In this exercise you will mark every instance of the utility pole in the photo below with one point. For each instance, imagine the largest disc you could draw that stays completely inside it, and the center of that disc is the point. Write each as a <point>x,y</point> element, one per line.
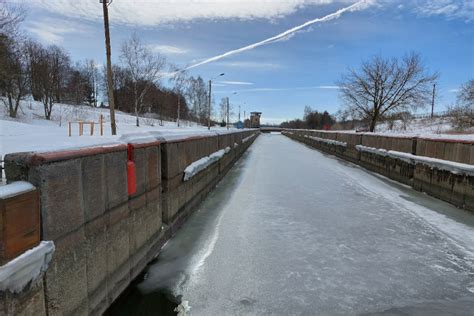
<point>433,100</point>
<point>209,108</point>
<point>179,108</point>
<point>227,113</point>
<point>239,113</point>
<point>110,87</point>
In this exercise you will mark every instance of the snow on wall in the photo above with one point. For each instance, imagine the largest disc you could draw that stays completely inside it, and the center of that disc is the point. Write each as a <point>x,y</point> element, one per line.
<point>26,268</point>
<point>15,188</point>
<point>203,163</point>
<point>246,139</point>
<point>451,166</point>
<point>327,141</point>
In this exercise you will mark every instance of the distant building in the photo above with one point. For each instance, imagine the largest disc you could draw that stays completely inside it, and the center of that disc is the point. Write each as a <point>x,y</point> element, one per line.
<point>255,119</point>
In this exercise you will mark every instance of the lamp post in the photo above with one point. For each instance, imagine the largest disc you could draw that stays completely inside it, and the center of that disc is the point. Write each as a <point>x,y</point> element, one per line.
<point>110,87</point>
<point>209,108</point>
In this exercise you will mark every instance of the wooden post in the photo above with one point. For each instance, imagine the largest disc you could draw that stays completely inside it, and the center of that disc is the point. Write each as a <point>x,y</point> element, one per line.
<point>101,122</point>
<point>69,128</point>
<point>92,128</point>
<point>81,128</point>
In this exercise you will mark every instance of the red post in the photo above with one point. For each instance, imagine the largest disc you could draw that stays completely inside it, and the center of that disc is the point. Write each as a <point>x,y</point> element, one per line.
<point>131,172</point>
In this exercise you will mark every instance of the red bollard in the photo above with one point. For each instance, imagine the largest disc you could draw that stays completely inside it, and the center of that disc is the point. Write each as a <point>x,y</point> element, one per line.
<point>131,172</point>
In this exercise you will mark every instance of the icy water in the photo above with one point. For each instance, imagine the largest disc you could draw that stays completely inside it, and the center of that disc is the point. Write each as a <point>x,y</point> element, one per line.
<point>291,231</point>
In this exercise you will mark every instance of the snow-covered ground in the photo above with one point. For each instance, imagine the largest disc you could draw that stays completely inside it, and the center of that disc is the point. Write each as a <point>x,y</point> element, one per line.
<point>439,127</point>
<point>31,132</point>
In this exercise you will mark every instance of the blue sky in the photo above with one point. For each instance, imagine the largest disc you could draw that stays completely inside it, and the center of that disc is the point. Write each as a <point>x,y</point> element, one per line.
<point>281,78</point>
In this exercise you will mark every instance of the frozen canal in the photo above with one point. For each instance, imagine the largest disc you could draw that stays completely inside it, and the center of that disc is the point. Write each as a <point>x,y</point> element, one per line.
<point>293,231</point>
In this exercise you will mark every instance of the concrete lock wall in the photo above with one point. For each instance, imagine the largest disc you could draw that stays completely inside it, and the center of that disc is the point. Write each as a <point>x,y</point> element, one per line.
<point>103,236</point>
<point>437,179</point>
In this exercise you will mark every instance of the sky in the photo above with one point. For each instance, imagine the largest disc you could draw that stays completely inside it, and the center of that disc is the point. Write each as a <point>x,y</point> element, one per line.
<point>282,77</point>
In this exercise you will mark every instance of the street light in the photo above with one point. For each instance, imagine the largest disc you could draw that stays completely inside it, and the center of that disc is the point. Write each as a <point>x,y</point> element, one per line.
<point>209,109</point>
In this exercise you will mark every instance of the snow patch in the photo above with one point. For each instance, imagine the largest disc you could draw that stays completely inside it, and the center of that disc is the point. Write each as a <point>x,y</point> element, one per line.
<point>26,268</point>
<point>203,163</point>
<point>451,166</point>
<point>327,141</point>
<point>182,308</point>
<point>15,188</point>
<point>236,145</point>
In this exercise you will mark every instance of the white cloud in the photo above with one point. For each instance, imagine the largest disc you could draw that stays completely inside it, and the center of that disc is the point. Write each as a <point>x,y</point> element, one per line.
<point>167,49</point>
<point>268,89</point>
<point>238,83</point>
<point>250,64</point>
<point>156,12</point>
<point>451,9</point>
<point>52,31</point>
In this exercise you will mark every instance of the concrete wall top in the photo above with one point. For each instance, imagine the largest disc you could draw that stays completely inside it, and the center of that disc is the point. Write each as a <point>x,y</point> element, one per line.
<point>458,150</point>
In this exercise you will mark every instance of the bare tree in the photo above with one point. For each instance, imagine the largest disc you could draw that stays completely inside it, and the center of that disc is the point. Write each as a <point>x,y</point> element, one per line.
<point>462,114</point>
<point>48,69</point>
<point>13,74</point>
<point>91,74</point>
<point>10,17</point>
<point>197,96</point>
<point>145,68</point>
<point>383,87</point>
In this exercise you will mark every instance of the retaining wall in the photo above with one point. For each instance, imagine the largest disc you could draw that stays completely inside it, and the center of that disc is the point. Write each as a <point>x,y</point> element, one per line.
<point>441,178</point>
<point>104,237</point>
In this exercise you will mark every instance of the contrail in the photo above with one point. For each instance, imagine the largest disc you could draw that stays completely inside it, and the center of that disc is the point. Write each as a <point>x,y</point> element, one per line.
<point>360,5</point>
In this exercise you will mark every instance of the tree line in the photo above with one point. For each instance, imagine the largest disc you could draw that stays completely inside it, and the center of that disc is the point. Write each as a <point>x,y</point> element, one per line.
<point>47,74</point>
<point>387,89</point>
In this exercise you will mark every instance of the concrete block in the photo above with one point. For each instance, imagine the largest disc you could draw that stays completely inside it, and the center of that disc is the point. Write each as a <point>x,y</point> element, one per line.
<point>442,183</point>
<point>141,167</point>
<point>422,177</point>
<point>153,157</point>
<point>28,302</point>
<point>96,239</point>
<point>169,163</point>
<point>66,277</point>
<point>137,202</point>
<point>61,198</point>
<point>460,186</point>
<point>116,179</point>
<point>118,251</point>
<point>93,186</point>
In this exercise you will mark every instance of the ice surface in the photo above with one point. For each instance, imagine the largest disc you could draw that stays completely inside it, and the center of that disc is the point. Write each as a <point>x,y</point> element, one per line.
<point>15,188</point>
<point>26,268</point>
<point>293,231</point>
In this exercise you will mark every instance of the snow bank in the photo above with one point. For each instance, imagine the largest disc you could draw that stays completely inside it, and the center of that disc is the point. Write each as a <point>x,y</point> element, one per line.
<point>203,163</point>
<point>327,141</point>
<point>26,268</point>
<point>15,188</point>
<point>451,166</point>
